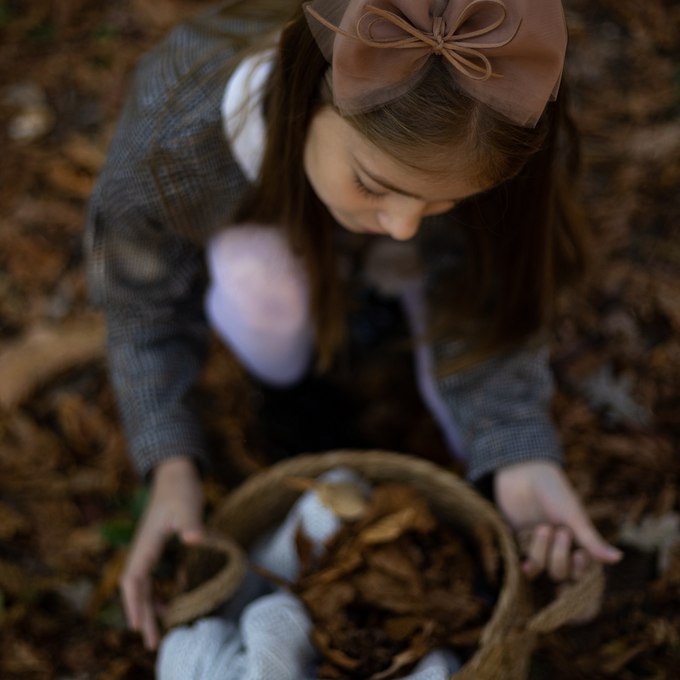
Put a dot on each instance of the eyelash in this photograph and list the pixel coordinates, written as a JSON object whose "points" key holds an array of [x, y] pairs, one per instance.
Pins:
{"points": [[365, 190]]}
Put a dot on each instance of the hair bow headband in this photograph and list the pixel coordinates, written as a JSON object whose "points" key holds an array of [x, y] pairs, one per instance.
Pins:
{"points": [[508, 54]]}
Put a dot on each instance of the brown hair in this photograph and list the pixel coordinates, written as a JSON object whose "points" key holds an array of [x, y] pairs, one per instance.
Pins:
{"points": [[523, 238]]}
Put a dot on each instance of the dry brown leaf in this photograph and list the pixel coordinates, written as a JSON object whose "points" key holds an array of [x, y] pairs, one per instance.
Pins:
{"points": [[25, 660], [84, 153], [12, 522], [455, 604], [87, 541], [83, 424], [162, 13], [389, 588], [30, 258], [322, 640], [402, 628], [325, 601], [402, 661], [619, 654], [389, 498], [16, 579], [305, 550], [394, 559], [468, 637], [69, 179], [107, 585], [41, 450], [389, 528], [13, 578], [387, 593], [347, 562], [488, 551], [44, 353], [346, 499], [49, 213]]}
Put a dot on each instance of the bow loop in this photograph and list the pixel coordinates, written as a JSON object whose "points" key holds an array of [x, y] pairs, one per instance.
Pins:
{"points": [[508, 54]]}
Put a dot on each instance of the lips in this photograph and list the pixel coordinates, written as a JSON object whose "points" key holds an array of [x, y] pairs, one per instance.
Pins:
{"points": [[376, 232]]}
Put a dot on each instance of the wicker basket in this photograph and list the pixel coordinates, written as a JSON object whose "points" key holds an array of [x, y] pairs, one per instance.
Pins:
{"points": [[264, 500]]}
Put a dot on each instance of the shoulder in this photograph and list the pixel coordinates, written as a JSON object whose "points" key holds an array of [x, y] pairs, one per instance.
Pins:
{"points": [[169, 149], [177, 86]]}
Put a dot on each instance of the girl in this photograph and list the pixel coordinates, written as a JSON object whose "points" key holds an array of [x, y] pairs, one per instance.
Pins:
{"points": [[270, 146]]}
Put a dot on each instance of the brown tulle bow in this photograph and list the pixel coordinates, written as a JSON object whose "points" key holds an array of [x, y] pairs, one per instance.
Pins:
{"points": [[379, 49]]}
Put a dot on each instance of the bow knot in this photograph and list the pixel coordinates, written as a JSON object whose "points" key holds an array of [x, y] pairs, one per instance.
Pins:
{"points": [[454, 45], [438, 34]]}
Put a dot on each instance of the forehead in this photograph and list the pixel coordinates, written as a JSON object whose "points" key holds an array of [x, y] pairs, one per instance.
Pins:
{"points": [[453, 180], [441, 186]]}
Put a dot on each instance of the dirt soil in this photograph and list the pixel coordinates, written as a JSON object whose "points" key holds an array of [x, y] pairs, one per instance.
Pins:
{"points": [[68, 495]]}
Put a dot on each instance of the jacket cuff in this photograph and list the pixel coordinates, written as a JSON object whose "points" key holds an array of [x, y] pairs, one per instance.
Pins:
{"points": [[168, 441], [517, 442]]}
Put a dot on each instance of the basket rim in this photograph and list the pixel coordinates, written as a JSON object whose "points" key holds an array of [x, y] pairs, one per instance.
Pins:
{"points": [[505, 613], [509, 633]]}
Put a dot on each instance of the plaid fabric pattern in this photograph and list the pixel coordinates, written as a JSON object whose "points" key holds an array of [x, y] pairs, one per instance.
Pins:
{"points": [[502, 410], [169, 183]]}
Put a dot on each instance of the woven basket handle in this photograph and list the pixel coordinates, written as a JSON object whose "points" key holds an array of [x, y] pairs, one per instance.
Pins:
{"points": [[211, 593], [507, 655], [576, 602]]}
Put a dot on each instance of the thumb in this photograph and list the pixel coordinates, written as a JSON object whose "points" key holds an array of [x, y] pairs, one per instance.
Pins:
{"points": [[191, 531], [192, 536], [589, 538], [190, 528]]}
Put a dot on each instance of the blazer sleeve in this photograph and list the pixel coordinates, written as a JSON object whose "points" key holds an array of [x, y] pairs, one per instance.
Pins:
{"points": [[168, 182], [502, 410]]}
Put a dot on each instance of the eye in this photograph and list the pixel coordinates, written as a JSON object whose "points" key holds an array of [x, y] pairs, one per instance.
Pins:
{"points": [[363, 189]]}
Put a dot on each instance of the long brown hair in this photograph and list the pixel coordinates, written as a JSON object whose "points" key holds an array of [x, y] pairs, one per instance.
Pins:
{"points": [[523, 238]]}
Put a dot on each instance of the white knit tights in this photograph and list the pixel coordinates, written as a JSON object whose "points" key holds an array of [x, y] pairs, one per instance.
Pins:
{"points": [[258, 302]]}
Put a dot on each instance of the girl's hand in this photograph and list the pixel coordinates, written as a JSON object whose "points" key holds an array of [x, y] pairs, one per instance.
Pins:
{"points": [[539, 502], [175, 507]]}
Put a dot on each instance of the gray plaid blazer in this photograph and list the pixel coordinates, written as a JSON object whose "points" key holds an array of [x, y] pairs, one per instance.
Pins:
{"points": [[169, 182]]}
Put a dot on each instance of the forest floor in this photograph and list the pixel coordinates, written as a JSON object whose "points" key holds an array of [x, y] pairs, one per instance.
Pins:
{"points": [[68, 495]]}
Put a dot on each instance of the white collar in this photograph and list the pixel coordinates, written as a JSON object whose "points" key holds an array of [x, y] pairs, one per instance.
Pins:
{"points": [[241, 108]]}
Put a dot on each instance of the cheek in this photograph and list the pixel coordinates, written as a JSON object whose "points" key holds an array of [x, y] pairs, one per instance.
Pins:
{"points": [[336, 191], [347, 198], [332, 183], [439, 208], [319, 176]]}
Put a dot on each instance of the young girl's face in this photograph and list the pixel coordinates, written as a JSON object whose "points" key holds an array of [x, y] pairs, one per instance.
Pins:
{"points": [[370, 192]]}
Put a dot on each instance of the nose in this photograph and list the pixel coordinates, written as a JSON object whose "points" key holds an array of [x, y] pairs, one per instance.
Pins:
{"points": [[401, 219]]}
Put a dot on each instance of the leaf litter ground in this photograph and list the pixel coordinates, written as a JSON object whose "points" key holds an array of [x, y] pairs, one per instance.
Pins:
{"points": [[68, 497]]}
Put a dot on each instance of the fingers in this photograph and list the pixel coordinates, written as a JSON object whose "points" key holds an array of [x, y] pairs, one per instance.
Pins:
{"points": [[591, 541], [551, 549], [136, 585], [537, 550], [139, 610], [175, 507], [559, 560], [581, 560], [136, 581], [149, 623]]}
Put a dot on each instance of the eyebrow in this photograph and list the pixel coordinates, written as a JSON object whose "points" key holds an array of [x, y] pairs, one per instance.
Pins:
{"points": [[390, 187]]}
